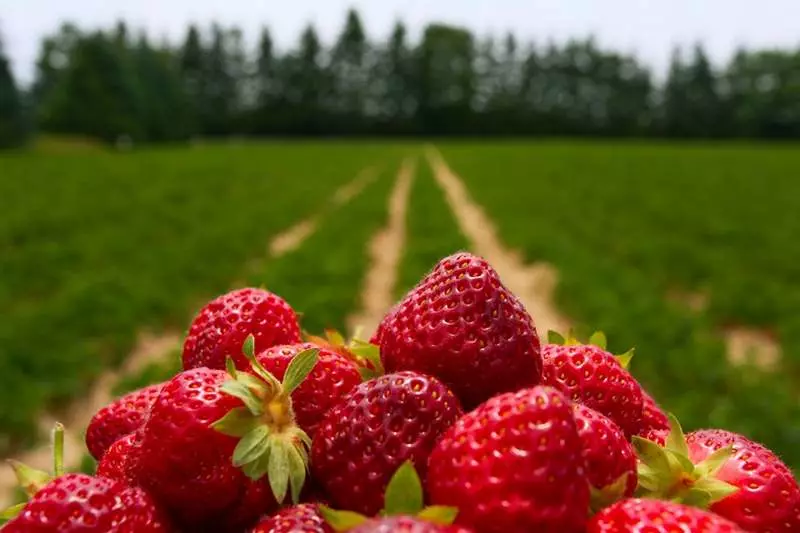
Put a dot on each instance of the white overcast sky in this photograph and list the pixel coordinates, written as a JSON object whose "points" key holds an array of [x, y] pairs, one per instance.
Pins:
{"points": [[649, 28]]}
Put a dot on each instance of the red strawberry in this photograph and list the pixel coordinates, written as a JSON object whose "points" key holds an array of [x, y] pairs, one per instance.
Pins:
{"points": [[731, 475], [379, 425], [653, 418], [653, 516], [86, 504], [514, 464], [119, 418], [115, 462], [405, 524], [332, 378], [215, 444], [462, 325], [609, 457], [303, 518], [220, 328], [590, 375]]}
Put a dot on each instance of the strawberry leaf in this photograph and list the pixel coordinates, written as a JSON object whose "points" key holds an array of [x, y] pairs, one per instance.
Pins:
{"points": [[404, 492], [297, 472], [249, 347], [439, 514], [12, 512], [676, 440], [598, 338], [334, 337], [299, 368], [624, 359], [553, 337], [251, 446], [257, 469], [651, 454], [241, 391], [715, 489], [341, 520], [614, 491], [370, 353], [714, 462], [278, 472], [237, 422], [230, 366], [30, 480]]}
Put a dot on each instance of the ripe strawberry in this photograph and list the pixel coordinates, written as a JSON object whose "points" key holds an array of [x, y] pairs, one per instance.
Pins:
{"points": [[220, 328], [405, 524], [609, 457], [514, 464], [653, 417], [332, 378], [303, 518], [653, 516], [462, 325], [119, 418], [725, 472], [590, 375], [87, 504], [373, 430], [115, 463], [215, 444]]}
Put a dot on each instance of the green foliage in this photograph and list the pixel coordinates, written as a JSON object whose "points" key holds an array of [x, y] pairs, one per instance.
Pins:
{"points": [[12, 119], [626, 225], [113, 243]]}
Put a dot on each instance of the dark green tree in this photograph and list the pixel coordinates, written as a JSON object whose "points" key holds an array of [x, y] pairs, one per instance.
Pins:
{"points": [[267, 87], [193, 77], [306, 83], [394, 84], [350, 75], [12, 123]]}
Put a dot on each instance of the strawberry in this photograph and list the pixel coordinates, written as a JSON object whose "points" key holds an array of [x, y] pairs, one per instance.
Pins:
{"points": [[216, 443], [609, 457], [463, 326], [303, 518], [590, 375], [115, 463], [653, 516], [220, 328], [405, 524], [119, 418], [87, 504], [380, 424], [725, 472], [514, 464], [653, 417], [333, 377]]}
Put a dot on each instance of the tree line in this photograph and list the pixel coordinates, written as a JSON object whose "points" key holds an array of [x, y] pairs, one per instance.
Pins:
{"points": [[113, 83]]}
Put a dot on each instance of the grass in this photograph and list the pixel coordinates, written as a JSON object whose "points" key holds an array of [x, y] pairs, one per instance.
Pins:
{"points": [[625, 224], [99, 245]]}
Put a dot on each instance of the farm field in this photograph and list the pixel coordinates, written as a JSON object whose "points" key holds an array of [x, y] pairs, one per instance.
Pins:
{"points": [[662, 247]]}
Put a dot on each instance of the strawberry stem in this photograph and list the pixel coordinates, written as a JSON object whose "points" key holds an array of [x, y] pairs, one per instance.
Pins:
{"points": [[58, 450]]}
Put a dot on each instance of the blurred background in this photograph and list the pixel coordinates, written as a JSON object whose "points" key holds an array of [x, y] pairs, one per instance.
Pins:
{"points": [[645, 152]]}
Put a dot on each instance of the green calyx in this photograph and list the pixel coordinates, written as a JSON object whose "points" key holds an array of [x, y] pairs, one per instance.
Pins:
{"points": [[365, 355], [32, 480], [613, 492], [667, 473], [270, 443], [598, 338], [403, 496]]}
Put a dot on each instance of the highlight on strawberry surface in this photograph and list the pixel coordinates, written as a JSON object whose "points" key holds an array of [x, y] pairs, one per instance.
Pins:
{"points": [[454, 417]]}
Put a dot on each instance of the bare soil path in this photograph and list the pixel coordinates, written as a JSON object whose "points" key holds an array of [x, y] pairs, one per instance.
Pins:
{"points": [[385, 253], [533, 283], [150, 348]]}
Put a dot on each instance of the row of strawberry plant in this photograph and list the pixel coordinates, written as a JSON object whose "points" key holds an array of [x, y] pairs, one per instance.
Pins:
{"points": [[625, 223]]}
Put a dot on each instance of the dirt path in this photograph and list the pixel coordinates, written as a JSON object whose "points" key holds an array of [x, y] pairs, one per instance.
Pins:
{"points": [[534, 284], [385, 252], [292, 238], [149, 349]]}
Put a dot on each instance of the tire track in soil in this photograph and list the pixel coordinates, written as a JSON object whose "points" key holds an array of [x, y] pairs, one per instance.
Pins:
{"points": [[534, 284], [150, 348], [385, 252]]}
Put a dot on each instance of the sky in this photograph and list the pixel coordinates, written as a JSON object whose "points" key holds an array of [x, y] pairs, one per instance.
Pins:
{"points": [[647, 28]]}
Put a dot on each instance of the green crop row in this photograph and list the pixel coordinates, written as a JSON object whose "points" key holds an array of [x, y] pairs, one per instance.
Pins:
{"points": [[96, 246], [431, 230], [626, 224]]}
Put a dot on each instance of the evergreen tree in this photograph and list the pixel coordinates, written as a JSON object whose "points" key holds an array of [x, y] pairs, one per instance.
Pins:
{"points": [[349, 72], [12, 124], [193, 78]]}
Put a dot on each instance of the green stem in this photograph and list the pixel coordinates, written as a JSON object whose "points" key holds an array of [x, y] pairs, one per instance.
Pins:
{"points": [[58, 450]]}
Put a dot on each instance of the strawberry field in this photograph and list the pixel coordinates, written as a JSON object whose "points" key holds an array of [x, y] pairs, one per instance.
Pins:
{"points": [[665, 248]]}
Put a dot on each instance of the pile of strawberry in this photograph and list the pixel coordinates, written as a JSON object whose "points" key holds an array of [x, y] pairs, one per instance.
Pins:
{"points": [[453, 418]]}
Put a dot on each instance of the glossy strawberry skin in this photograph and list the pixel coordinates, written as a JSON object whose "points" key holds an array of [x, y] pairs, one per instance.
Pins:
{"points": [[606, 452], [405, 524], [768, 499], [463, 326], [513, 465], [590, 375], [331, 379], [654, 516], [221, 327], [303, 518], [116, 462], [77, 503], [653, 417], [121, 417], [382, 423], [186, 465]]}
